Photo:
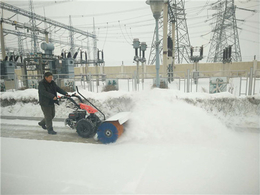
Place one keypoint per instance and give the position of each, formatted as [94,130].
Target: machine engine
[74,117]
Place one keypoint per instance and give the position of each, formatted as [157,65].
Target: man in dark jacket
[47,96]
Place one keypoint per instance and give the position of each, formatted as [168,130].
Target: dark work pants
[49,113]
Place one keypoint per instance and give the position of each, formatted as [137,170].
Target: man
[47,96]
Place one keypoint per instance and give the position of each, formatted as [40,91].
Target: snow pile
[233,111]
[20,95]
[25,103]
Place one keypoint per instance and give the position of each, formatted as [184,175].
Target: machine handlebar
[69,97]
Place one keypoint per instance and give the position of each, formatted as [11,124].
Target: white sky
[119,22]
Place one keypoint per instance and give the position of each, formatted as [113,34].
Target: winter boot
[52,132]
[43,126]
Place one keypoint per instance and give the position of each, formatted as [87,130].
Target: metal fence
[249,82]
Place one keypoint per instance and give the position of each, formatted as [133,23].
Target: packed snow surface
[169,147]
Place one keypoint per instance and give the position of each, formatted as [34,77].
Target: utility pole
[2,37]
[165,32]
[171,47]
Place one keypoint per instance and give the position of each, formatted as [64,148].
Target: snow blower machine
[88,124]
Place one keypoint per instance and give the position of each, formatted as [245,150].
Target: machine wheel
[85,128]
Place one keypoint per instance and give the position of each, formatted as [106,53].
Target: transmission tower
[176,9]
[34,40]
[20,41]
[225,33]
[94,42]
[20,44]
[72,38]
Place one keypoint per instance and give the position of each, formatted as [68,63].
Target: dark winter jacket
[47,91]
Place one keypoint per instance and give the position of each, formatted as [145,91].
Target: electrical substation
[23,66]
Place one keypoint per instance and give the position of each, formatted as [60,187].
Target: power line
[101,14]
[83,25]
[123,33]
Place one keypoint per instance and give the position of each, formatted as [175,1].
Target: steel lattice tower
[20,44]
[225,32]
[182,40]
[72,49]
[20,41]
[34,39]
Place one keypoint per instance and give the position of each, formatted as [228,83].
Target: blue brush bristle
[107,133]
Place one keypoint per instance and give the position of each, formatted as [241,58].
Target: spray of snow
[173,121]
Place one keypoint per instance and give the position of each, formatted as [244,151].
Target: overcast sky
[119,22]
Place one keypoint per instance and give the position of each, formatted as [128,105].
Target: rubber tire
[85,128]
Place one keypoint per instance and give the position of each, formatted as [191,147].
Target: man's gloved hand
[56,100]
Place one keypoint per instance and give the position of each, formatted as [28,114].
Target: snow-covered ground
[187,164]
[174,143]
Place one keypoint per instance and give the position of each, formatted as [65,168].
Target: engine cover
[77,115]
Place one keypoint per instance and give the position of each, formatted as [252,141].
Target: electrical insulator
[16,58]
[191,51]
[6,58]
[21,57]
[201,51]
[80,55]
[86,56]
[62,54]
[11,58]
[229,51]
[69,55]
[102,55]
[170,44]
[224,54]
[75,55]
